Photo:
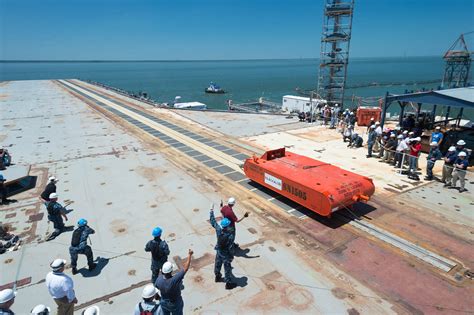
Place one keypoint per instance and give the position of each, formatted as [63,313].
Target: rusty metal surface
[307,266]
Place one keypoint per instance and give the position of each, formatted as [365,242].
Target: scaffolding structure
[335,40]
[458,63]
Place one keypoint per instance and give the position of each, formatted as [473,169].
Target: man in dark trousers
[56,213]
[227,211]
[49,189]
[3,190]
[79,245]
[224,250]
[170,287]
[159,253]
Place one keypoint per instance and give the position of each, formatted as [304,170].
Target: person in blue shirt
[371,140]
[79,245]
[449,160]
[433,156]
[56,214]
[459,172]
[159,253]
[437,136]
[224,250]
[170,287]
[460,147]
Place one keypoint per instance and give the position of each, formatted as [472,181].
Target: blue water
[245,80]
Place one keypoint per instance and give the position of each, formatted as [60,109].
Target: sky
[225,29]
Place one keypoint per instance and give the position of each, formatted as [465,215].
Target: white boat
[190,105]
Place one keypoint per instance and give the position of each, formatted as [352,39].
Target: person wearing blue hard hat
[159,252]
[224,250]
[79,245]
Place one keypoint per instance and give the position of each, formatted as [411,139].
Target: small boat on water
[214,89]
[188,105]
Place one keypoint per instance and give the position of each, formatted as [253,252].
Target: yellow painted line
[196,145]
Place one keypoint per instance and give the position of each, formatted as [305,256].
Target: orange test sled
[318,186]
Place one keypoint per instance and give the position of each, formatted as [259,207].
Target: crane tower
[335,40]
[458,62]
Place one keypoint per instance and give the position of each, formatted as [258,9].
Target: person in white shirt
[61,288]
[401,148]
[378,136]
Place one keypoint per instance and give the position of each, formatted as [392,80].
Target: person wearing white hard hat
[335,116]
[448,166]
[7,298]
[56,214]
[415,149]
[49,189]
[389,148]
[150,301]
[371,139]
[170,287]
[61,288]
[433,156]
[437,136]
[460,147]
[41,309]
[378,138]
[352,119]
[94,310]
[402,147]
[227,211]
[459,172]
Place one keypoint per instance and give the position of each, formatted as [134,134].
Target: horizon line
[189,60]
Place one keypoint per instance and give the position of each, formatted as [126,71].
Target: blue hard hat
[156,232]
[82,222]
[2,178]
[225,223]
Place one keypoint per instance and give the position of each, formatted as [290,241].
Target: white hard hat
[398,128]
[377,123]
[231,201]
[434,144]
[411,133]
[452,149]
[462,153]
[53,179]
[149,291]
[372,127]
[461,142]
[6,295]
[57,264]
[372,119]
[392,135]
[40,309]
[405,132]
[167,267]
[417,139]
[53,196]
[399,137]
[336,104]
[351,113]
[93,310]
[438,128]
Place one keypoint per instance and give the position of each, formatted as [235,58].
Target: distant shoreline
[203,60]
